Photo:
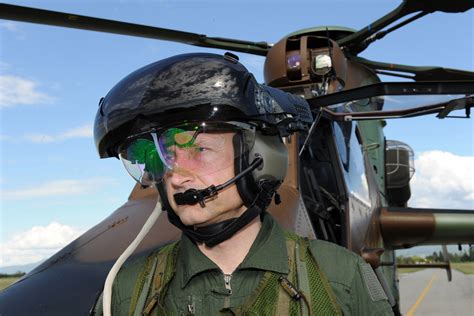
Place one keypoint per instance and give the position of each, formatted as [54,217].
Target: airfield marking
[412,309]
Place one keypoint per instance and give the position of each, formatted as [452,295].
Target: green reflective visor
[142,161]
[194,148]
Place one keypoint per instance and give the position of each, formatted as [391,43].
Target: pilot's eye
[202,149]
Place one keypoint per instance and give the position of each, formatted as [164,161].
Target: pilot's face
[209,162]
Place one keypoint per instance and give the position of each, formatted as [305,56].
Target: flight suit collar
[268,253]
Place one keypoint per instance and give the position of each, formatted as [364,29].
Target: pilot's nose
[179,177]
[182,168]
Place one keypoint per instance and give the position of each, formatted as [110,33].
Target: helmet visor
[200,148]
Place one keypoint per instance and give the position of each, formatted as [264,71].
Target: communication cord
[107,294]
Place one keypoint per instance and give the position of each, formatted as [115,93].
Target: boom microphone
[193,196]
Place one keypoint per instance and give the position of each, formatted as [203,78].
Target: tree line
[16,275]
[437,256]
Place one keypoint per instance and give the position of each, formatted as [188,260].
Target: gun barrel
[404,227]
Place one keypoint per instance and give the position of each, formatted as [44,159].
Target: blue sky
[54,185]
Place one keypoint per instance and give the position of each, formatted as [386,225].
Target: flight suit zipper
[227,278]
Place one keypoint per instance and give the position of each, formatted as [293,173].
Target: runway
[428,292]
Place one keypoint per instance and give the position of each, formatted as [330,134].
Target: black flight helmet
[176,99]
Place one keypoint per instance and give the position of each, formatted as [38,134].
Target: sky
[53,184]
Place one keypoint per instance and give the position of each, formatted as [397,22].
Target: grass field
[4,282]
[408,270]
[464,267]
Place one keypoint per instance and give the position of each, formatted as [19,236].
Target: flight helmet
[180,107]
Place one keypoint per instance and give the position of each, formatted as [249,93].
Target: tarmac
[428,292]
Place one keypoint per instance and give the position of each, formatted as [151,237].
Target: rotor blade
[426,73]
[360,40]
[39,16]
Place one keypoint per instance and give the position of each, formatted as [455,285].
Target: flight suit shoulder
[352,280]
[126,279]
[337,263]
[124,284]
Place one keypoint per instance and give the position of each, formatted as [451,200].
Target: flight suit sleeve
[367,295]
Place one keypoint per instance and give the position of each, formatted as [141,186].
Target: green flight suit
[199,286]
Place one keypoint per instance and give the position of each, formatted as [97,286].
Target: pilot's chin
[187,217]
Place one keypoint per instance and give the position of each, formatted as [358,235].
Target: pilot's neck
[230,253]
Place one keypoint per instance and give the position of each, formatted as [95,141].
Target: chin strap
[214,234]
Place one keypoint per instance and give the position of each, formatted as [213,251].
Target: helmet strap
[246,186]
[214,234]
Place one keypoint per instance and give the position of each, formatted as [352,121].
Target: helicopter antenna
[311,130]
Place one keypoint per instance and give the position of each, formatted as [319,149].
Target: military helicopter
[345,184]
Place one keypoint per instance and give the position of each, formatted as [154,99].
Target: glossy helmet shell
[198,86]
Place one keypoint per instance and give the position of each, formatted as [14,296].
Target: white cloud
[14,28]
[5,137]
[39,138]
[9,26]
[37,243]
[84,131]
[443,180]
[57,188]
[16,91]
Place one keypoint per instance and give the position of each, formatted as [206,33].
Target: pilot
[201,130]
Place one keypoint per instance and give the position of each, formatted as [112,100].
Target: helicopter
[328,199]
